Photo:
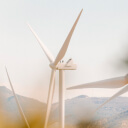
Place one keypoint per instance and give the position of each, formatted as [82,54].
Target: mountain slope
[77,109]
[33,109]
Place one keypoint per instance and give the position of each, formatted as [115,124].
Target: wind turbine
[17,102]
[117,82]
[57,64]
[122,91]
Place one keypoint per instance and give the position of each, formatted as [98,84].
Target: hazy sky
[96,45]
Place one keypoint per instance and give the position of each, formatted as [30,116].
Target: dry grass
[36,120]
[90,124]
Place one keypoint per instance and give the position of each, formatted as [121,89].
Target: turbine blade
[17,102]
[66,43]
[108,83]
[122,91]
[45,49]
[50,97]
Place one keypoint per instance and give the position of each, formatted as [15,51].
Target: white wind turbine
[57,64]
[117,82]
[17,102]
[122,91]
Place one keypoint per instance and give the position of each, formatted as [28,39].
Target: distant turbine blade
[108,83]
[45,49]
[66,43]
[122,91]
[17,102]
[50,97]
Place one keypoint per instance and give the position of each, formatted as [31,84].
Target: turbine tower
[17,102]
[57,64]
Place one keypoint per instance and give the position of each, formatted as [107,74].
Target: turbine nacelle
[69,65]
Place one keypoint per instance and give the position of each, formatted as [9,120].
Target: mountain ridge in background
[77,108]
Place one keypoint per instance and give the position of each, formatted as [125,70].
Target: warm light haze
[97,45]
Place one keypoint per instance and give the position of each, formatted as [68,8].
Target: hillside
[32,108]
[78,109]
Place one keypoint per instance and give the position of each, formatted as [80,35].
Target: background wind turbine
[17,102]
[117,82]
[122,91]
[57,64]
